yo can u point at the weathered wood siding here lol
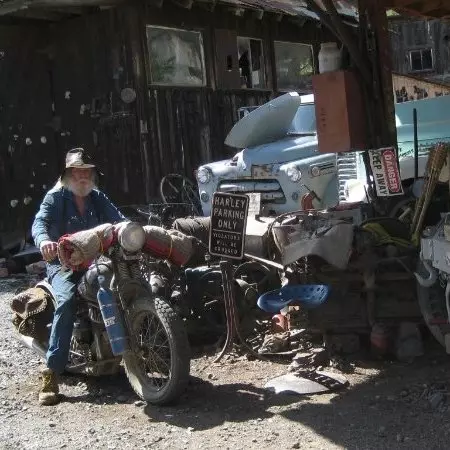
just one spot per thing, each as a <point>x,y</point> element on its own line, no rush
<point>168,129</point>
<point>27,145</point>
<point>81,65</point>
<point>409,35</point>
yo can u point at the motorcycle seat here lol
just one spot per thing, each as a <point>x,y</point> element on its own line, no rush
<point>308,296</point>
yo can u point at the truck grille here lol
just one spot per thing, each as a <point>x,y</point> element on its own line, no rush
<point>346,164</point>
<point>270,190</point>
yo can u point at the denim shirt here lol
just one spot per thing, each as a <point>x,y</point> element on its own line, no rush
<point>58,215</point>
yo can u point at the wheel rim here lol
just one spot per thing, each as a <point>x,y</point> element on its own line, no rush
<point>153,353</point>
<point>176,188</point>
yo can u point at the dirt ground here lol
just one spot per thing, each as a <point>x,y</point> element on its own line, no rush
<point>386,406</point>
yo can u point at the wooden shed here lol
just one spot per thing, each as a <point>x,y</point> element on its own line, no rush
<point>149,88</point>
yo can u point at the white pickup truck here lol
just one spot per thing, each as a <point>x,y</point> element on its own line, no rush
<point>280,158</point>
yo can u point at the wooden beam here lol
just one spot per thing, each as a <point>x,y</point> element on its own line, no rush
<point>238,11</point>
<point>72,3</point>
<point>399,3</point>
<point>379,49</point>
<point>349,41</point>
<point>431,5</point>
<point>279,17</point>
<point>431,8</point>
<point>186,4</point>
<point>208,5</point>
<point>259,14</point>
<point>324,18</point>
<point>40,14</point>
<point>68,10</point>
<point>12,6</point>
<point>156,3</point>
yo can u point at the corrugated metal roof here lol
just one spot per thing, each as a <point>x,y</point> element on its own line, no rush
<point>290,7</point>
<point>287,7</point>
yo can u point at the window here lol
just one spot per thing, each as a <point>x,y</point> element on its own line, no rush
<point>294,65</point>
<point>421,60</point>
<point>251,63</point>
<point>176,56</point>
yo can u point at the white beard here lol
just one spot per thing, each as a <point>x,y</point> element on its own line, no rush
<point>80,189</point>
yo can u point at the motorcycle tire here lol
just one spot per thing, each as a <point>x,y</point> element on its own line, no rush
<point>175,332</point>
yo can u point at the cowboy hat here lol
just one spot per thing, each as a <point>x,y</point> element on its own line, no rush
<point>77,158</point>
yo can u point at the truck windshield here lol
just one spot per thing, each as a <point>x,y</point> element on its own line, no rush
<point>304,122</point>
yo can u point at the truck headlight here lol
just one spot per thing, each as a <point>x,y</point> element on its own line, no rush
<point>294,174</point>
<point>204,175</point>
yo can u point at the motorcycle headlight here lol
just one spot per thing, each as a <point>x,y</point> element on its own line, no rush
<point>204,175</point>
<point>294,174</point>
<point>131,237</point>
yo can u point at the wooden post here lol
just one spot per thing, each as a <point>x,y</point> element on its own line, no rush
<point>378,45</point>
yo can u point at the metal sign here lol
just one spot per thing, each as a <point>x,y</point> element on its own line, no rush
<point>254,207</point>
<point>386,172</point>
<point>228,222</point>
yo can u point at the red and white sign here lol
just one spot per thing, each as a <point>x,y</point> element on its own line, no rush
<point>386,172</point>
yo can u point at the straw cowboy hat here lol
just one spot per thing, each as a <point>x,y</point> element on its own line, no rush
<point>79,159</point>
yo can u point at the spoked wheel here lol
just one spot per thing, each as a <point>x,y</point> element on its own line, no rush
<point>158,366</point>
<point>256,274</point>
<point>176,188</point>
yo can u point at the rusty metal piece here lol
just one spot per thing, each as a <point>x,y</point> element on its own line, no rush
<point>428,281</point>
<point>229,300</point>
<point>265,261</point>
<point>231,313</point>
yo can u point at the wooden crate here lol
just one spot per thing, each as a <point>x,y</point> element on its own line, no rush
<point>340,113</point>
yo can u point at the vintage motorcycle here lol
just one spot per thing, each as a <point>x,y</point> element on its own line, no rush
<point>118,319</point>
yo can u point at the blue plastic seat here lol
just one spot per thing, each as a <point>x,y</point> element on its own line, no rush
<point>308,296</point>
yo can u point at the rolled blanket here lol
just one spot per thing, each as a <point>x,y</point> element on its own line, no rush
<point>77,251</point>
<point>197,227</point>
<point>171,245</point>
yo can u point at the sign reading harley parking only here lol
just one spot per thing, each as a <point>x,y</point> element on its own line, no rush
<point>228,222</point>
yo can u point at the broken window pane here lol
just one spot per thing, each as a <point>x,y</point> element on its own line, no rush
<point>176,56</point>
<point>294,65</point>
<point>421,60</point>
<point>251,63</point>
<point>427,60</point>
<point>416,60</point>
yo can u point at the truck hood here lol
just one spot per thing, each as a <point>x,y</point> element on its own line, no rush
<point>285,150</point>
<point>268,123</point>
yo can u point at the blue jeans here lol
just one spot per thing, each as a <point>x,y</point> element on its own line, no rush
<point>64,284</point>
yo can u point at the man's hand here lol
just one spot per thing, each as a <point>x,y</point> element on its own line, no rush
<point>49,250</point>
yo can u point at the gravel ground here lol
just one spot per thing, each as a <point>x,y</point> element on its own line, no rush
<point>386,406</point>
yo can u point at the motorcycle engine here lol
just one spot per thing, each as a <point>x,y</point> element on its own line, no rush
<point>88,285</point>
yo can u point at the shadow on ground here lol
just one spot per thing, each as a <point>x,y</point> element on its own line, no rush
<point>403,406</point>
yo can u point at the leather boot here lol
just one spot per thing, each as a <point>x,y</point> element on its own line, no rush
<point>49,393</point>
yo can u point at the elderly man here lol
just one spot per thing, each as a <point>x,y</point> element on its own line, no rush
<point>72,205</point>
